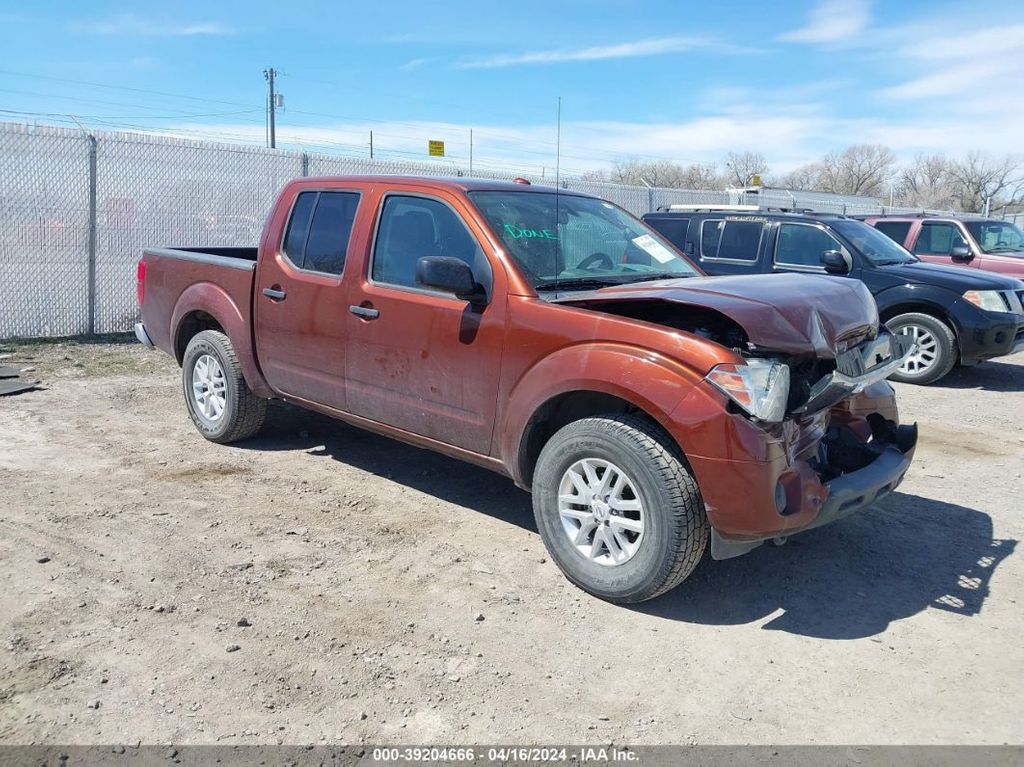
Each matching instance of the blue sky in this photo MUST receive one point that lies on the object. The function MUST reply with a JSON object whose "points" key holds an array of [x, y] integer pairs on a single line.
{"points": [[685, 81]]}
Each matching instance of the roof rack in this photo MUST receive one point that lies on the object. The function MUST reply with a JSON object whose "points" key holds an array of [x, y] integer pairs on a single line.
{"points": [[725, 208]]}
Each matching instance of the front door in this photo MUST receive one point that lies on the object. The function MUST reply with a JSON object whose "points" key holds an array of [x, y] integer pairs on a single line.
{"points": [[935, 243], [300, 310], [418, 359]]}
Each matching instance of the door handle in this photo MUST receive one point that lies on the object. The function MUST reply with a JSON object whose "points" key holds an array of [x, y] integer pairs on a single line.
{"points": [[275, 294], [365, 312]]}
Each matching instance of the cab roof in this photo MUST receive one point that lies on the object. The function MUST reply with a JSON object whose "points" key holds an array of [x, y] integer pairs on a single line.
{"points": [[453, 183]]}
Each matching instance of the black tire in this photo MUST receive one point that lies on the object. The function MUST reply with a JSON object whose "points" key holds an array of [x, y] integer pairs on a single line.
{"points": [[676, 529], [244, 413], [945, 348]]}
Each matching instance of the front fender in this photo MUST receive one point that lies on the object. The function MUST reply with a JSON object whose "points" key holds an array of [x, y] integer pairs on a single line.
{"points": [[218, 303], [644, 378], [939, 300]]}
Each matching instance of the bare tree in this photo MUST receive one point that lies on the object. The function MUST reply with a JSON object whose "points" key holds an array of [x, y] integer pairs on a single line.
{"points": [[805, 178], [980, 177], [926, 182], [742, 166], [664, 173], [702, 176], [862, 169]]}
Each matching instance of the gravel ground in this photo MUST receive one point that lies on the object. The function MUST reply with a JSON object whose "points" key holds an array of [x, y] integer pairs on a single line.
{"points": [[319, 584]]}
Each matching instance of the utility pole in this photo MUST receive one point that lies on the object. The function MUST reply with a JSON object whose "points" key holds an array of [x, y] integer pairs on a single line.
{"points": [[371, 145], [271, 104], [471, 151]]}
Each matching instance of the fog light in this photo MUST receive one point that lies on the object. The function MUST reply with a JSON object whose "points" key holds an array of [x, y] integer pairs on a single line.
{"points": [[780, 498]]}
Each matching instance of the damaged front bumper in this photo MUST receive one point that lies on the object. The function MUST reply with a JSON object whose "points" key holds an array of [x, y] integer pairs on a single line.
{"points": [[858, 368], [880, 467]]}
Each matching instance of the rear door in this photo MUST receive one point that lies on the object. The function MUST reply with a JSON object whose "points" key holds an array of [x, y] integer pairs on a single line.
{"points": [[897, 231], [420, 359], [300, 310]]}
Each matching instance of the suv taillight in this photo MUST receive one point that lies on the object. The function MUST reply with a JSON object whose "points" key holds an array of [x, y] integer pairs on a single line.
{"points": [[142, 279]]}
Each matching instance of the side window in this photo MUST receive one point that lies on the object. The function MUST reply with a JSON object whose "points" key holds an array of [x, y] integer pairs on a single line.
{"points": [[937, 239], [895, 230], [319, 229], [740, 240], [734, 240], [329, 232], [710, 234], [672, 229], [802, 245], [413, 227], [298, 227]]}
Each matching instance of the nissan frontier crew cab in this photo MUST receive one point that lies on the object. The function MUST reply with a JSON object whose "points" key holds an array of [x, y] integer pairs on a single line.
{"points": [[550, 336]]}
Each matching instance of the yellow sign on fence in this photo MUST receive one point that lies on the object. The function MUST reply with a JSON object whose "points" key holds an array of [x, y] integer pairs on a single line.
{"points": [[435, 148]]}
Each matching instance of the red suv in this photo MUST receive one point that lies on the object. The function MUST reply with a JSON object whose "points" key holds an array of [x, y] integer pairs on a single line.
{"points": [[972, 241]]}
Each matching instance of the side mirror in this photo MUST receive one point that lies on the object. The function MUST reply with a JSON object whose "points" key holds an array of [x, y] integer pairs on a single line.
{"points": [[451, 275], [836, 262], [961, 254]]}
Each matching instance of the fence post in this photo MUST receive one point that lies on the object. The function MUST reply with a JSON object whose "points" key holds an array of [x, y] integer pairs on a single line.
{"points": [[92, 235], [305, 164]]}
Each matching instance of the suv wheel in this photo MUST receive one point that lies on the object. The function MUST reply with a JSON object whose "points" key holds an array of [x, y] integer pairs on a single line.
{"points": [[935, 349], [221, 405], [617, 508]]}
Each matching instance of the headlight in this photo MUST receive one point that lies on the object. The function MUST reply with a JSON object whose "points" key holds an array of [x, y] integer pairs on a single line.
{"points": [[760, 387], [989, 300]]}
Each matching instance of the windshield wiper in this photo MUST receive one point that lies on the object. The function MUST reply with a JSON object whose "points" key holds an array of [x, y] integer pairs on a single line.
{"points": [[645, 276], [1004, 249], [580, 283]]}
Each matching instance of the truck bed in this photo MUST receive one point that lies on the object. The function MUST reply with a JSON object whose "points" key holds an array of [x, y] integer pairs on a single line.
{"points": [[220, 280]]}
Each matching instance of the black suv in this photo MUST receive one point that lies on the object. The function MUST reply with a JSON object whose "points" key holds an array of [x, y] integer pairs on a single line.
{"points": [[952, 314]]}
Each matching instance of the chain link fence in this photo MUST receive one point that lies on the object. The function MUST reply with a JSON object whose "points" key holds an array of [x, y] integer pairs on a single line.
{"points": [[76, 210]]}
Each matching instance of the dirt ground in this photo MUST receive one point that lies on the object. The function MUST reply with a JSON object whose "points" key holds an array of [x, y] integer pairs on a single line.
{"points": [[319, 584]]}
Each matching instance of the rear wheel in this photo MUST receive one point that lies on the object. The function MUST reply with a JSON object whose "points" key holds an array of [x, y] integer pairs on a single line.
{"points": [[935, 349], [220, 403], [617, 508]]}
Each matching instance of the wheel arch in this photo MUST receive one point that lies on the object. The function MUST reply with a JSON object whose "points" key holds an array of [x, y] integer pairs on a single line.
{"points": [[206, 306], [608, 379]]}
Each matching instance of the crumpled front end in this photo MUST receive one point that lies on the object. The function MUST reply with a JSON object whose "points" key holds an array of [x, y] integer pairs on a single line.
{"points": [[836, 448]]}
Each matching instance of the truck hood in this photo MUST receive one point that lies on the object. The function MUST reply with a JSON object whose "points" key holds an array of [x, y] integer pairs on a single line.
{"points": [[798, 314]]}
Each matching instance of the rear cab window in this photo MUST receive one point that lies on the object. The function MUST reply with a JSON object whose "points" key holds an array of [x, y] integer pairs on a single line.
{"points": [[319, 229], [730, 239]]}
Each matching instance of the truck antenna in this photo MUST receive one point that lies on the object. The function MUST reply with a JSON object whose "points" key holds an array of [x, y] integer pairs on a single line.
{"points": [[558, 184]]}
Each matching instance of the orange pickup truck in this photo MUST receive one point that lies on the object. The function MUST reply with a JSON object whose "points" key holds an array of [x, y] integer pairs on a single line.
{"points": [[552, 337]]}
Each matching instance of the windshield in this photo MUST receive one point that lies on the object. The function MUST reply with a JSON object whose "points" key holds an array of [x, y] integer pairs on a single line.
{"points": [[997, 236], [569, 242], [878, 248]]}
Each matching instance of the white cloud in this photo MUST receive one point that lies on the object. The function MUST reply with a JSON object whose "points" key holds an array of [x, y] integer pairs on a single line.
{"points": [[962, 73], [832, 21], [131, 24], [650, 47]]}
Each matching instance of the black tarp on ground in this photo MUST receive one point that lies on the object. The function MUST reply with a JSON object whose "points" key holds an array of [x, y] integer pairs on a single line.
{"points": [[15, 386]]}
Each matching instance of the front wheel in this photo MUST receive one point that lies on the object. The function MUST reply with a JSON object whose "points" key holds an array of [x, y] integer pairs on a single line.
{"points": [[935, 350], [617, 508], [221, 405]]}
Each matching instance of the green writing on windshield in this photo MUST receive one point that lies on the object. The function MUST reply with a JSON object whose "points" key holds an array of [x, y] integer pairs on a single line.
{"points": [[517, 232]]}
